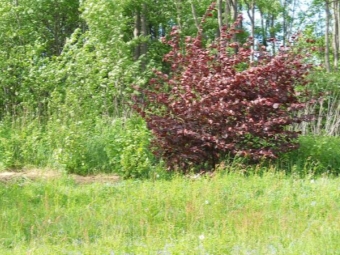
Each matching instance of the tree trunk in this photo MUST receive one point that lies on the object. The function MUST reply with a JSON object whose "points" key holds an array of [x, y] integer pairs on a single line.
{"points": [[136, 34], [234, 13], [338, 19], [284, 23], [263, 29], [272, 33], [144, 30], [219, 17], [289, 31], [251, 15], [327, 62], [194, 14], [227, 18], [335, 33], [234, 5], [178, 4]]}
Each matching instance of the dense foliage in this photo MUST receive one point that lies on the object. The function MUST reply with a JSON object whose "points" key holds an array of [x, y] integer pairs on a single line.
{"points": [[67, 69], [217, 101]]}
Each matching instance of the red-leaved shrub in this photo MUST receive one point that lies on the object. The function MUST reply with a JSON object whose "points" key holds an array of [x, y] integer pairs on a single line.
{"points": [[223, 99]]}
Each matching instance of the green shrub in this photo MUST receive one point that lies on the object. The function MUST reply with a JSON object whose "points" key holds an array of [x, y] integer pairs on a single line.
{"points": [[22, 144], [102, 145], [321, 81], [128, 148], [316, 155]]}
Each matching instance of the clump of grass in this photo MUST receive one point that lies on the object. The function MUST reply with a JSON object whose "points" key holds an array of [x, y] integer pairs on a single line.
{"points": [[225, 214], [317, 155]]}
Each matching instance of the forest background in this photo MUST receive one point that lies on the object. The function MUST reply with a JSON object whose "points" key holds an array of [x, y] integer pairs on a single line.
{"points": [[69, 70]]}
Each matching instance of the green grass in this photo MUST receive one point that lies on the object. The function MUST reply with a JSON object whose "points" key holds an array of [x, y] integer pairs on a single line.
{"points": [[225, 214]]}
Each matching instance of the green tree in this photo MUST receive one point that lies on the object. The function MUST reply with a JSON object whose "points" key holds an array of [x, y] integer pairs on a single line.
{"points": [[32, 32]]}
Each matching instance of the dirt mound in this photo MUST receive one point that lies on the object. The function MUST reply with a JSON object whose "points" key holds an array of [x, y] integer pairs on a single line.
{"points": [[52, 174]]}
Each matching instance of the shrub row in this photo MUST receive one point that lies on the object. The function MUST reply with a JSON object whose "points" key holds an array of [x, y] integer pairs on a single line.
{"points": [[83, 147], [121, 146]]}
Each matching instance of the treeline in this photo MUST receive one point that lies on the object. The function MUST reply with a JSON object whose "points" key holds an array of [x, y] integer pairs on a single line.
{"points": [[97, 49]]}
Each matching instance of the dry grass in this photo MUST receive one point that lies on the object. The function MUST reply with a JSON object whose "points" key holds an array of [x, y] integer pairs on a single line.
{"points": [[38, 174]]}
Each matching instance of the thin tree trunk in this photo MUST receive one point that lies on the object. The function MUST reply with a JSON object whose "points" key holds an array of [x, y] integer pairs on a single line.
{"points": [[194, 14], [227, 18], [219, 17], [335, 34], [272, 33], [289, 31], [136, 34], [144, 30], [327, 62], [263, 29], [251, 15], [338, 19], [234, 5], [284, 25], [234, 12], [178, 4]]}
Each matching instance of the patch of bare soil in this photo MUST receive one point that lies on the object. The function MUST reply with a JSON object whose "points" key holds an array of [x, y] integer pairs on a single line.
{"points": [[35, 174], [95, 179]]}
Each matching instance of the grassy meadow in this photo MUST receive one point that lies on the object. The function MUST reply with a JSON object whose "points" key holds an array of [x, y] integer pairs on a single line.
{"points": [[229, 213]]}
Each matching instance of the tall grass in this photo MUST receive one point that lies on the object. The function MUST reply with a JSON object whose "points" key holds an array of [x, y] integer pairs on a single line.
{"points": [[316, 155], [225, 214]]}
